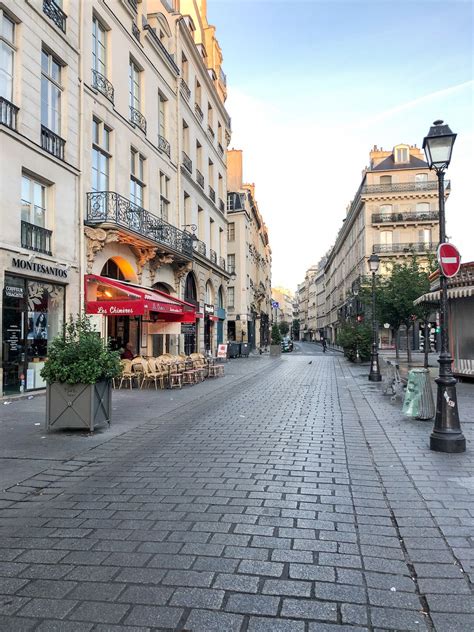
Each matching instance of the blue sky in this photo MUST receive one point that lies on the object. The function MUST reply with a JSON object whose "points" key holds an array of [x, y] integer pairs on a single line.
{"points": [[314, 85]]}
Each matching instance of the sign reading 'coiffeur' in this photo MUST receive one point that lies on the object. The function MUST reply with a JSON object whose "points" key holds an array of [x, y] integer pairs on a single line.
{"points": [[24, 264]]}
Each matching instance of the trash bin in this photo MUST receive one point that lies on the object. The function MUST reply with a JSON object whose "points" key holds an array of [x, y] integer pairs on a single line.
{"points": [[234, 350], [244, 349], [419, 401]]}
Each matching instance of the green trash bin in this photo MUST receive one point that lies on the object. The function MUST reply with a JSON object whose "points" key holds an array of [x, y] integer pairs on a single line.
{"points": [[419, 401]]}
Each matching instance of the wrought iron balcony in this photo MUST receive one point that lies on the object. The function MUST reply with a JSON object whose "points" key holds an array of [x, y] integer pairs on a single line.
{"points": [[8, 113], [52, 143], [36, 238], [164, 145], [211, 132], [137, 118], [184, 88], [108, 207], [187, 162], [212, 194], [220, 148], [221, 205], [135, 31], [55, 13], [213, 256], [200, 247], [102, 84], [133, 4], [422, 246], [409, 216], [400, 187], [198, 111], [200, 178], [222, 263]]}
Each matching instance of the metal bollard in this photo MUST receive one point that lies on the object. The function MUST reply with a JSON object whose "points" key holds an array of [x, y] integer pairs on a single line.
{"points": [[419, 401]]}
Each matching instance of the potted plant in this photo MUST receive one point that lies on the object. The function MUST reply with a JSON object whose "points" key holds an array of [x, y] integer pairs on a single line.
{"points": [[275, 346], [78, 373]]}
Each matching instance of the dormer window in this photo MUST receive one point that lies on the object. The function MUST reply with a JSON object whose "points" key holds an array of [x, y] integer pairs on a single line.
{"points": [[402, 153]]}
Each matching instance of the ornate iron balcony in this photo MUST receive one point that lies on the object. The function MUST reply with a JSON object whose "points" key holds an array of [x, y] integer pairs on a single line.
{"points": [[421, 246], [200, 247], [222, 263], [138, 119], [133, 4], [199, 112], [102, 84], [185, 91], [108, 207], [212, 194], [220, 148], [135, 31], [36, 238], [409, 216], [401, 186], [55, 13], [164, 145], [52, 143], [8, 113], [221, 205], [187, 162], [200, 178], [211, 132], [213, 256]]}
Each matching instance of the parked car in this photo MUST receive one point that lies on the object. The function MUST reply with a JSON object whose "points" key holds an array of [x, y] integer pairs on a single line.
{"points": [[287, 344]]}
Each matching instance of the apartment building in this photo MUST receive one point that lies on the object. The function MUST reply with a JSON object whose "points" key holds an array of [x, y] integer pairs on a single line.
{"points": [[100, 207], [287, 305], [248, 261]]}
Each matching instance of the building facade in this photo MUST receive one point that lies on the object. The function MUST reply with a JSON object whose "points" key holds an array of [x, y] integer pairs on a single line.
{"points": [[100, 115], [248, 261]]}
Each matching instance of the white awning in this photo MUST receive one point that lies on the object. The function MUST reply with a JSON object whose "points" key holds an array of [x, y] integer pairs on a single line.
{"points": [[454, 292]]}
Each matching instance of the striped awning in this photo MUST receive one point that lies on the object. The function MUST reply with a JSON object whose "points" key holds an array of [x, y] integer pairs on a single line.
{"points": [[453, 292]]}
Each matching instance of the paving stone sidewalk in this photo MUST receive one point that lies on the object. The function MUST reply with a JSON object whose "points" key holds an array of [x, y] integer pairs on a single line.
{"points": [[296, 499]]}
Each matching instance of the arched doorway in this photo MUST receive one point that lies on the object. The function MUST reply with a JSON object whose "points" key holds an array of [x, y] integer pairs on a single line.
{"points": [[190, 329]]}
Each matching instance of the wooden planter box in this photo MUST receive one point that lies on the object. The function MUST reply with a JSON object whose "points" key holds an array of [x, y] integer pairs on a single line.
{"points": [[275, 350], [82, 406]]}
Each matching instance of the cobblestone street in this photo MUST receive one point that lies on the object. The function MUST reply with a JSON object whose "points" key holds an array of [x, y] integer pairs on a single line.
{"points": [[291, 496]]}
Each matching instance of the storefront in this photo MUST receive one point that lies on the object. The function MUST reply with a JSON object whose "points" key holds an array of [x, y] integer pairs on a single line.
{"points": [[33, 312], [209, 320]]}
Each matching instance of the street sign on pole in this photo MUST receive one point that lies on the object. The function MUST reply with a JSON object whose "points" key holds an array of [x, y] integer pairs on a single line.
{"points": [[449, 259], [275, 304]]}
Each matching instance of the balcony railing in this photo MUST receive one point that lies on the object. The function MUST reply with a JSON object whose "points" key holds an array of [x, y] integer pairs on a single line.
{"points": [[221, 205], [222, 263], [137, 118], [213, 256], [36, 238], [135, 31], [409, 216], [211, 132], [52, 143], [102, 84], [212, 194], [108, 207], [164, 145], [424, 246], [198, 111], [187, 162], [402, 186], [200, 178], [185, 91], [133, 4], [8, 113], [55, 13], [200, 247], [220, 148]]}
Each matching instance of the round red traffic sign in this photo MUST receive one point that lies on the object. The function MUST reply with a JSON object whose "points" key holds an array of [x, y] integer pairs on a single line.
{"points": [[449, 259]]}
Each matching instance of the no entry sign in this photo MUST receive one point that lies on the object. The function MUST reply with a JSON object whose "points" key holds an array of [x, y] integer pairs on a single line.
{"points": [[449, 259]]}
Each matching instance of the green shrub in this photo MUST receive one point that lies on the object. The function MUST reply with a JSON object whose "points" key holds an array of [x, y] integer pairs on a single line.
{"points": [[276, 335], [80, 356], [353, 338]]}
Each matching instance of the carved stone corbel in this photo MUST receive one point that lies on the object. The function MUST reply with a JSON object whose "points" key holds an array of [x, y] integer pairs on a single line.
{"points": [[159, 260], [95, 242], [181, 270], [142, 256]]}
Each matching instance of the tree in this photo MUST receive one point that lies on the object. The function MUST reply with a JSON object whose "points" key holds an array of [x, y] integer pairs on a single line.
{"points": [[296, 328], [276, 335], [284, 328]]}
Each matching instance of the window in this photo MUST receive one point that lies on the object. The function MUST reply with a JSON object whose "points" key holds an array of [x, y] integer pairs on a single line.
{"points": [[423, 207], [199, 156], [185, 137], [424, 236], [162, 115], [386, 208], [420, 180], [230, 297], [164, 196], [386, 237], [220, 185], [231, 231], [99, 36], [50, 92], [219, 132], [33, 201], [134, 85], [198, 93], [187, 211], [402, 154], [210, 115], [137, 170], [385, 179], [7, 40], [184, 68], [230, 263], [100, 156]]}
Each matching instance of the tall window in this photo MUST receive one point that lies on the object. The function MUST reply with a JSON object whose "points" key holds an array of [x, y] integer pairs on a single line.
{"points": [[164, 196], [134, 85], [420, 180], [198, 93], [99, 36], [33, 201], [184, 68], [137, 175], [231, 231], [187, 210], [424, 235], [199, 156], [7, 40], [50, 92], [100, 156], [162, 115], [230, 297], [230, 263], [386, 237]]}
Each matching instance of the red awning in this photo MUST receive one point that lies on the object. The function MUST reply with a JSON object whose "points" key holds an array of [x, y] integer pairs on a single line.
{"points": [[117, 298]]}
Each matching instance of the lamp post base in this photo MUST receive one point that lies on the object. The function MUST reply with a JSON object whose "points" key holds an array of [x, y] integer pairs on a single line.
{"points": [[447, 442], [447, 435], [374, 375]]}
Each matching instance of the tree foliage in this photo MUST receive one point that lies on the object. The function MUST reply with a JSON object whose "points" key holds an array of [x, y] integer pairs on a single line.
{"points": [[276, 335], [355, 338], [284, 328]]}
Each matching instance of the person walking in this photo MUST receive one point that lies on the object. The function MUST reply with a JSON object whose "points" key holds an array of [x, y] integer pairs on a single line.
{"points": [[324, 344]]}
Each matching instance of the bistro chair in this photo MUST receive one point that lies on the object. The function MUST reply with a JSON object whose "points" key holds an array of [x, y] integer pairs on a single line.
{"points": [[127, 373], [138, 369]]}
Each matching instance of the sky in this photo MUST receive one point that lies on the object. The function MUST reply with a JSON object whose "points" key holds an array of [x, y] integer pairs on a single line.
{"points": [[314, 85]]}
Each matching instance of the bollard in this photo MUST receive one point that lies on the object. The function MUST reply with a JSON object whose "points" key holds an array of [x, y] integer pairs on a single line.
{"points": [[419, 402]]}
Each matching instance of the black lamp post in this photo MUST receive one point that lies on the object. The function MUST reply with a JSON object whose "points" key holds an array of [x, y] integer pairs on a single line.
{"points": [[447, 435], [355, 292], [374, 375]]}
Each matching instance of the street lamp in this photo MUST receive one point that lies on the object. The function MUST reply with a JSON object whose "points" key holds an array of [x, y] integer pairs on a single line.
{"points": [[374, 375], [447, 435]]}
